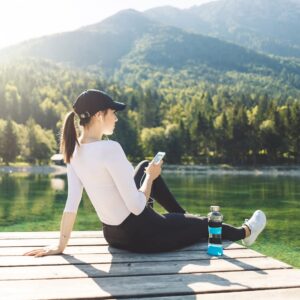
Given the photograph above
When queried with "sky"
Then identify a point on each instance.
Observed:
(25, 19)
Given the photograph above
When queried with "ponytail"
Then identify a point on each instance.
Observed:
(68, 137)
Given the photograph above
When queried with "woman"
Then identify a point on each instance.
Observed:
(121, 194)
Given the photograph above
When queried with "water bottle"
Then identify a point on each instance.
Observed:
(215, 219)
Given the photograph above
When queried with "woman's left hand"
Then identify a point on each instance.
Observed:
(49, 250)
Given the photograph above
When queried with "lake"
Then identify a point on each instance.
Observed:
(35, 202)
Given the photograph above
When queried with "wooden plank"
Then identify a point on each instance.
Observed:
(85, 242)
(6, 261)
(273, 294)
(163, 285)
(43, 242)
(47, 234)
(143, 268)
(13, 251)
(104, 249)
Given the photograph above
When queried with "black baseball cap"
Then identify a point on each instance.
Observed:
(91, 101)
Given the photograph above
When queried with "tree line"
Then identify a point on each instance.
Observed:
(193, 123)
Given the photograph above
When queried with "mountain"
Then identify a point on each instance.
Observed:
(131, 34)
(170, 47)
(131, 45)
(101, 44)
(270, 26)
(172, 57)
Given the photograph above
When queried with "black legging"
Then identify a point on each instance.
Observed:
(152, 232)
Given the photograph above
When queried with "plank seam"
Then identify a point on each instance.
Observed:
(181, 294)
(153, 261)
(149, 274)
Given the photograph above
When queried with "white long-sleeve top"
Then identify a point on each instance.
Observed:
(103, 170)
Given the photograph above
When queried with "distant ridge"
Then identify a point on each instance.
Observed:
(271, 26)
(131, 41)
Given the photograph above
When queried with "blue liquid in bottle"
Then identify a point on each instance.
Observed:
(215, 219)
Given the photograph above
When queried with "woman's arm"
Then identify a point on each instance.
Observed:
(122, 174)
(146, 186)
(152, 172)
(66, 226)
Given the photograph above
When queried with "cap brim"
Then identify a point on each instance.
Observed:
(118, 105)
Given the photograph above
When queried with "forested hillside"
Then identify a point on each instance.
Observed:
(192, 122)
(199, 98)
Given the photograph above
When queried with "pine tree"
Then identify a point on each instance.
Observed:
(9, 143)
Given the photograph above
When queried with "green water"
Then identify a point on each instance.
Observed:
(35, 203)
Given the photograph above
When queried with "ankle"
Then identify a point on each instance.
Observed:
(247, 230)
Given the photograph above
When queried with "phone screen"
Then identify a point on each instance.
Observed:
(158, 157)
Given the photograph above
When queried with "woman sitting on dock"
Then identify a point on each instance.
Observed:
(120, 194)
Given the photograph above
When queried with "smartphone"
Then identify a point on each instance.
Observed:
(158, 157)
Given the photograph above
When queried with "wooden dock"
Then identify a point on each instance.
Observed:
(89, 269)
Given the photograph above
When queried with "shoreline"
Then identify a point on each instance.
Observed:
(276, 170)
(45, 170)
(293, 170)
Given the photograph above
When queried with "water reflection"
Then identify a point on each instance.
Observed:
(35, 202)
(57, 184)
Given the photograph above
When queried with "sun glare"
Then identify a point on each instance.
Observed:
(25, 19)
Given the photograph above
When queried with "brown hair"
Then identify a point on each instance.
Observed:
(68, 137)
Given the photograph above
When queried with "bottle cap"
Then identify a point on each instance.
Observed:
(215, 208)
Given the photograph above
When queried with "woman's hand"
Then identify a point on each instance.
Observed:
(153, 170)
(48, 250)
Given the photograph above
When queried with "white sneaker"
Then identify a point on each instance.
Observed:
(256, 224)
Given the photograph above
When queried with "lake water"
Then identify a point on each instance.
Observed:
(35, 203)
